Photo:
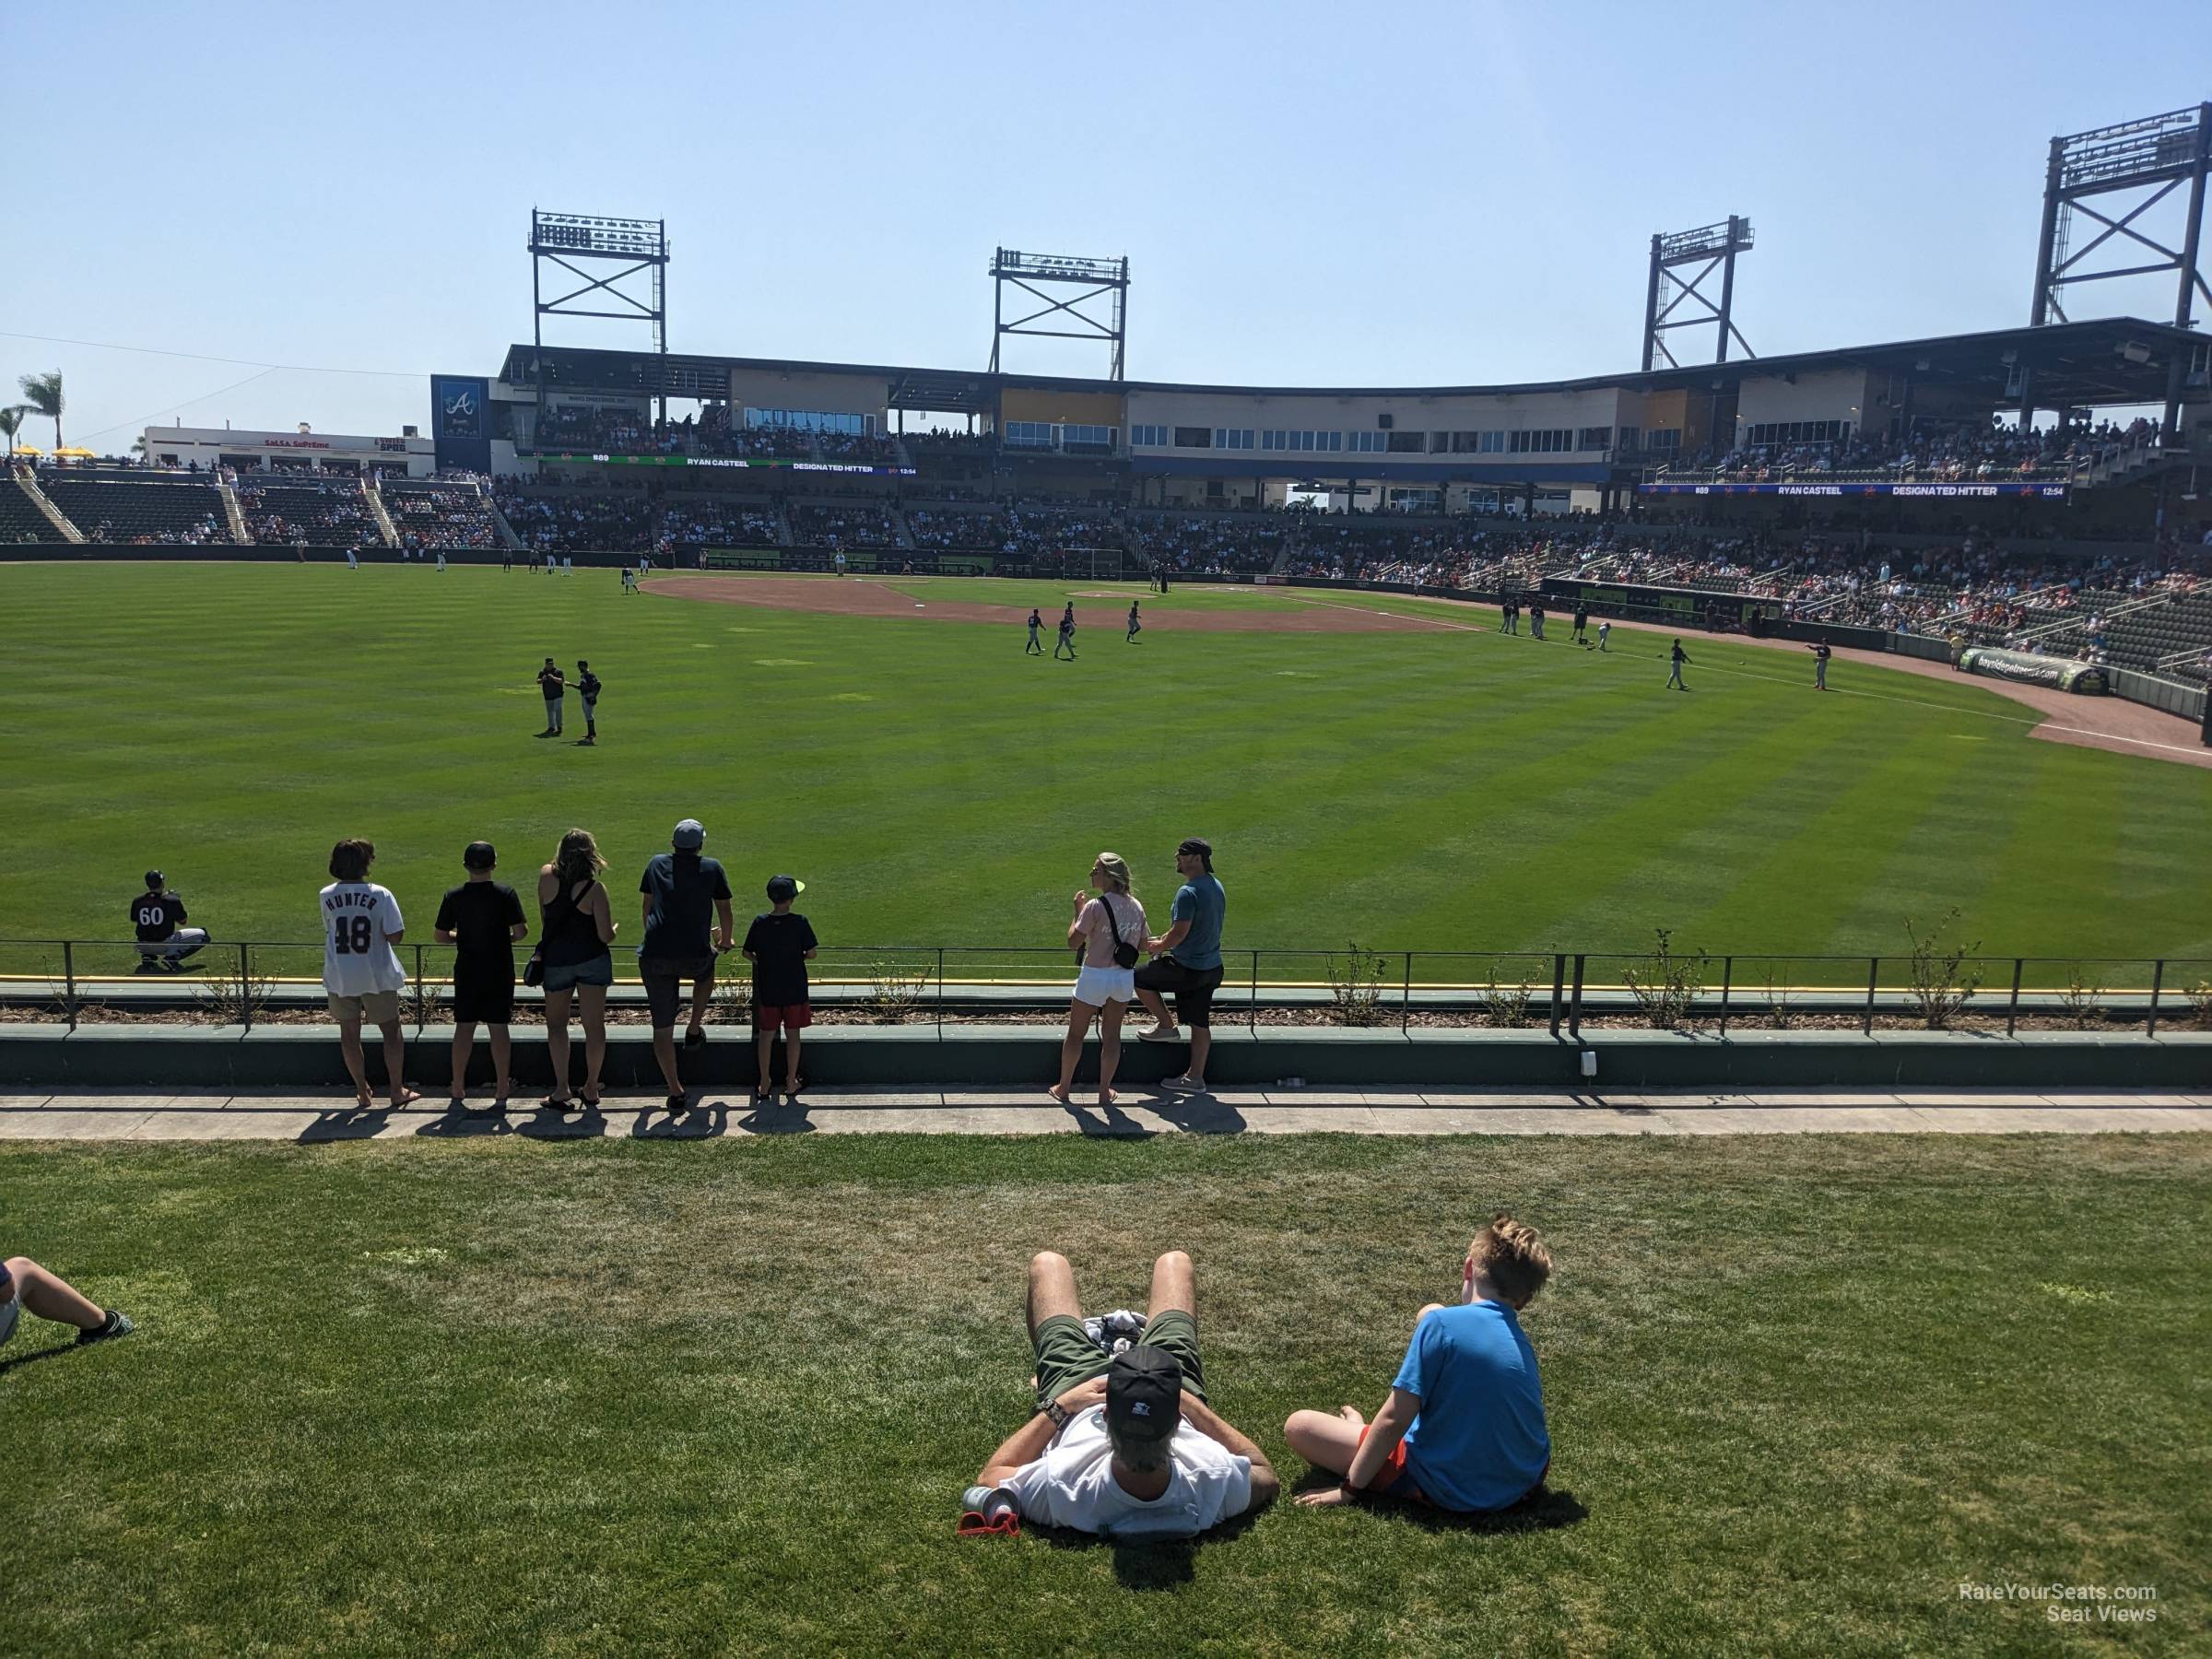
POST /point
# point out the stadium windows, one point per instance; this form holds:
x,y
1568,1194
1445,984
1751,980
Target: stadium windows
x,y
1029,434
1596,438
1304,443
1156,435
1662,438
808,420
1369,443
1404,443
1493,443
1543,442
1194,438
1798,431
1233,438
1087,437
1275,441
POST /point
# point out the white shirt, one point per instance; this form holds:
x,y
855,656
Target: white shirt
x,y
356,959
1072,1485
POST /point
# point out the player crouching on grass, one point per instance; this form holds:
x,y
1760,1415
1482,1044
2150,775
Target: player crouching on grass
x,y
25,1284
1123,1445
1463,1427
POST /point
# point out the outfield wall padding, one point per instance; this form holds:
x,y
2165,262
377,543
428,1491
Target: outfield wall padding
x,y
305,1058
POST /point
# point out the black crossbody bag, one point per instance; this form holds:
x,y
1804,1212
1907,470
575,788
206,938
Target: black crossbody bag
x,y
1124,953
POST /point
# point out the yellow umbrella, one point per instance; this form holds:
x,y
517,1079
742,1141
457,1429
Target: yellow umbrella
x,y
72,450
29,449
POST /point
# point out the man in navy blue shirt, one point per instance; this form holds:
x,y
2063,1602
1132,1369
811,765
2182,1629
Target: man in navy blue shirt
x,y
687,923
1463,1427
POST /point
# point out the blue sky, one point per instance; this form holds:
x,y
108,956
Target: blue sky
x,y
1308,194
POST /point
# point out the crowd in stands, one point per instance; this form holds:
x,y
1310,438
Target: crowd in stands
x,y
942,530
141,514
1961,452
872,449
852,525
318,514
1220,544
578,522
440,516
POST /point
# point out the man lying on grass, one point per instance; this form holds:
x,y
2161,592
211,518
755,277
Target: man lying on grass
x,y
1463,1427
1126,1446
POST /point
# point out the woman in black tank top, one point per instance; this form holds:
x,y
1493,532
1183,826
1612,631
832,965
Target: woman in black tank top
x,y
576,925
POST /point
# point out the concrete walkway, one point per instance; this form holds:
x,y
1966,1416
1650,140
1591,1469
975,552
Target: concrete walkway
x,y
996,1111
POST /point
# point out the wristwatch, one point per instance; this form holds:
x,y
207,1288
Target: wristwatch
x,y
1052,1410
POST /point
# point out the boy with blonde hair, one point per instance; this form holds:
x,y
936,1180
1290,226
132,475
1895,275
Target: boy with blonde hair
x,y
1463,1427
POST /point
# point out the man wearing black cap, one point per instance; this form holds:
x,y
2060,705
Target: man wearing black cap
x,y
156,914
1126,1446
481,919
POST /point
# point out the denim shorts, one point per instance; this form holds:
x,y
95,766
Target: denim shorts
x,y
567,976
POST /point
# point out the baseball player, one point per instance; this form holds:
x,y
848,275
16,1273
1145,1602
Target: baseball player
x,y
841,561
1136,624
1067,634
1605,633
1036,625
441,561
352,560
1676,658
1820,655
587,687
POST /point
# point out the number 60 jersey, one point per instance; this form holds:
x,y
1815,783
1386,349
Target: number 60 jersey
x,y
356,958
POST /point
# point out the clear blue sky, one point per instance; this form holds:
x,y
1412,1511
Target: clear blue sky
x,y
1309,193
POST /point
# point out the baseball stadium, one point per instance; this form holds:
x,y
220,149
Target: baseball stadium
x,y
1727,835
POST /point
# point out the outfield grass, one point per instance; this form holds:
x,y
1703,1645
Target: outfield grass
x,y
478,1396
1431,791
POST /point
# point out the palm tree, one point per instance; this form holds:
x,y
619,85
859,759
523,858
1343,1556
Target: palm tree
x,y
44,394
11,422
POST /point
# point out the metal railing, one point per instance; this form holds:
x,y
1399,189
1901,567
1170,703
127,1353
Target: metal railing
x,y
240,981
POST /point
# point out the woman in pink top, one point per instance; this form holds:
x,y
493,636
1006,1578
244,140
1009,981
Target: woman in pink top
x,y
1105,927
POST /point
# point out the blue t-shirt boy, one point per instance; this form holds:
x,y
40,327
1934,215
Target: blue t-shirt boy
x,y
1201,903
1479,1442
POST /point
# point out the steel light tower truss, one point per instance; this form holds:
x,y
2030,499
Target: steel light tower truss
x,y
571,242
2149,159
1091,279
1712,248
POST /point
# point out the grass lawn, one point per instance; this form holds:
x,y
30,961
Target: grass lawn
x,y
1454,791
511,1396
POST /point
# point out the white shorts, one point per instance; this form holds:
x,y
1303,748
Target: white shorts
x,y
1097,987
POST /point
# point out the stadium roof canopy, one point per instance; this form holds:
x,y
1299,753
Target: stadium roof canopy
x,y
2100,362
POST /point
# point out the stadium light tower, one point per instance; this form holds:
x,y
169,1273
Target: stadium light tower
x,y
1712,247
1092,280
2151,157
639,246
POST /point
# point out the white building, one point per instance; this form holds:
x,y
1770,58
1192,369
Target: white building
x,y
301,450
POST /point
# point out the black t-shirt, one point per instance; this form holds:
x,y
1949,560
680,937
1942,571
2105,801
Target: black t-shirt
x,y
156,916
481,916
779,945
549,682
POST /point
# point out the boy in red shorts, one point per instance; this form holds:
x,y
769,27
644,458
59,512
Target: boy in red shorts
x,y
779,943
1464,1425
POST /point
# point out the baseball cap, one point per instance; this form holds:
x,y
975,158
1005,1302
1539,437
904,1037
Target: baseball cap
x,y
154,878
781,888
1144,1394
479,856
1201,846
689,836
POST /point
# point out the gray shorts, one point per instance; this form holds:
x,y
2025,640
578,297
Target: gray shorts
x,y
665,978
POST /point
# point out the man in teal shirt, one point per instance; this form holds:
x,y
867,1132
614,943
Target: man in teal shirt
x,y
1186,959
